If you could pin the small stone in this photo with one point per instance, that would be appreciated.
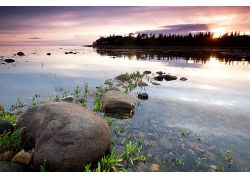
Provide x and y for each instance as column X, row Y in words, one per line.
column 154, row 167
column 68, row 98
column 147, row 72
column 159, row 72
column 183, row 79
column 143, row 96
column 114, row 88
column 149, row 156
column 23, row 157
column 165, row 143
column 140, row 84
column 155, row 83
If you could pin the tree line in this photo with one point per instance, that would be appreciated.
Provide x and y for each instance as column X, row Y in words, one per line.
column 233, row 39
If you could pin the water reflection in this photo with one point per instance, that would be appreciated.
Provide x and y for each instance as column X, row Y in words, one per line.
column 226, row 56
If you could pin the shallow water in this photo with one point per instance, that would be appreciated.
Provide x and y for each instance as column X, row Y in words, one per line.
column 212, row 105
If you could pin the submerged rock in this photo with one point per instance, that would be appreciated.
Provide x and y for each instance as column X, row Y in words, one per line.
column 159, row 72
column 20, row 54
column 165, row 143
column 169, row 77
column 155, row 83
column 147, row 72
column 158, row 78
column 9, row 60
column 140, row 84
column 154, row 167
column 143, row 96
column 122, row 77
column 183, row 79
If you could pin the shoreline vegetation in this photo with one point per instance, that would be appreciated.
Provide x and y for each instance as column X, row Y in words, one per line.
column 204, row 39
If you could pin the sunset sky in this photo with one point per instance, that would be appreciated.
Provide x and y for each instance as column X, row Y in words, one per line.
column 83, row 24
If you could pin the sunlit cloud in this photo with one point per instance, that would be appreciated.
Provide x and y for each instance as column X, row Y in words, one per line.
column 183, row 29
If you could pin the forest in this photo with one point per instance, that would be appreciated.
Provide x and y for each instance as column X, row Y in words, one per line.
column 233, row 39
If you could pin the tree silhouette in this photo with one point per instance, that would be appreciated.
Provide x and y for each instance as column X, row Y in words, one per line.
column 232, row 39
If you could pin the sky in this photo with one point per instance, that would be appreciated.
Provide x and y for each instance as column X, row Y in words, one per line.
column 82, row 24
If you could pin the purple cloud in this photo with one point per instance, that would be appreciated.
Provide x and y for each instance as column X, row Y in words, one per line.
column 35, row 38
column 182, row 29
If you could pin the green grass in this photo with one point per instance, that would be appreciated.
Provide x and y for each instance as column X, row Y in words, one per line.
column 12, row 118
column 11, row 142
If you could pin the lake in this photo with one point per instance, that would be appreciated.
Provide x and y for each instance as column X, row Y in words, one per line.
column 201, row 124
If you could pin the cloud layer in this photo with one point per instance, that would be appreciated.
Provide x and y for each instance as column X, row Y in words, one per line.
column 77, row 25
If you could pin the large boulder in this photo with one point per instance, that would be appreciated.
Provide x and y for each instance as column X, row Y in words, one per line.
column 117, row 102
column 68, row 135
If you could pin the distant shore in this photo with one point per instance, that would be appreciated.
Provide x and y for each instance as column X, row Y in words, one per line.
column 164, row 47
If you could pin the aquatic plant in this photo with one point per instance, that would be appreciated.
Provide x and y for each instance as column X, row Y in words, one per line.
column 58, row 89
column 109, row 120
column 179, row 162
column 183, row 132
column 133, row 153
column 18, row 106
column 43, row 167
column 228, row 156
column 108, row 163
column 57, row 99
column 86, row 90
column 97, row 103
column 34, row 101
column 200, row 162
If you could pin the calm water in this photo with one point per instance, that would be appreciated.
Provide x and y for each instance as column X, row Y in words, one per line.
column 211, row 107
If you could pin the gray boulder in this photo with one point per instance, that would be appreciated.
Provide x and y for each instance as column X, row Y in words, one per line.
column 117, row 102
column 68, row 135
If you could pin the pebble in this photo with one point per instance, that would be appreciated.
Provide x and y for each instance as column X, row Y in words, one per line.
column 154, row 167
